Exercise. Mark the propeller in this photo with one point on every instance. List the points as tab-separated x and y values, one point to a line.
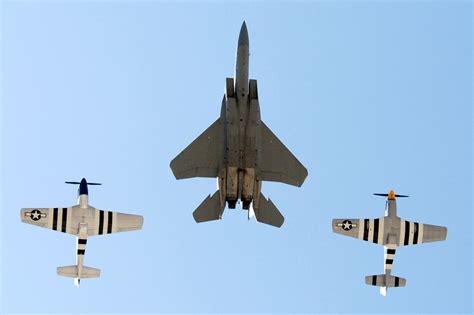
386	195
78	183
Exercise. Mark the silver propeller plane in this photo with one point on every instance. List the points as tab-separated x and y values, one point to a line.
390	231
240	151
81	220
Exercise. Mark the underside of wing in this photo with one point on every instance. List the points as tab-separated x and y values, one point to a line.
107	222
370	230
277	163
203	156
56	219
412	233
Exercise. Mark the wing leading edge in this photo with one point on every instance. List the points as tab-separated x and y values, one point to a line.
278	164
203	156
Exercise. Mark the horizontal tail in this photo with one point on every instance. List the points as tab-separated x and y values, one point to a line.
268	213
71	272
210	209
387	281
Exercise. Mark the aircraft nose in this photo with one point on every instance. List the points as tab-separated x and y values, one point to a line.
244	35
83	181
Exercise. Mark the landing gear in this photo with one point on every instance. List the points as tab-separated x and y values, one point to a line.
231	203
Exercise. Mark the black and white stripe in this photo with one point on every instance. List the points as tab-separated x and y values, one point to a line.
81	245
389	257
55	219
106	222
411	233
64	220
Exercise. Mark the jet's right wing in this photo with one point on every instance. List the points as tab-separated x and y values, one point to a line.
278	164
203	156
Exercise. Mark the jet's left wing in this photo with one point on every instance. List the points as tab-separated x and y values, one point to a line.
370	230
278	164
203	156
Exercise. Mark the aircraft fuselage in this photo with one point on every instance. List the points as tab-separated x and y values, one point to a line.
239	177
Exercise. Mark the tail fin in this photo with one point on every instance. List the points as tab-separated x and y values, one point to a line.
385	281
71	272
268	213
210	209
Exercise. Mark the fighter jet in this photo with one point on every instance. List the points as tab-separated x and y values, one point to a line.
390	231
81	220
240	151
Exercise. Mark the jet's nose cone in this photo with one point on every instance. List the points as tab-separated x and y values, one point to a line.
244	35
83	181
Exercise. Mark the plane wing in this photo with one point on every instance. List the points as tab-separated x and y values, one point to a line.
412	233
107	222
56	219
370	230
203	156
67	220
278	164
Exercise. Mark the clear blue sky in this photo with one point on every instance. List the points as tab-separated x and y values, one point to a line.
370	96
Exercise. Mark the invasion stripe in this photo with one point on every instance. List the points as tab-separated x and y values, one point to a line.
360	229
374	280
82	241
388	261
81	251
366	229
64	221
420	235
109	225
381	232
101	222
390	251
402	232
397	281
376	231
415	237
55	219
407	232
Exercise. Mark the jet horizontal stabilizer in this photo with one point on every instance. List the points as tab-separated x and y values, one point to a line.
268	213
210	209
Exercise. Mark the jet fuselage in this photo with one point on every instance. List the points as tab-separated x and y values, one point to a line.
239	177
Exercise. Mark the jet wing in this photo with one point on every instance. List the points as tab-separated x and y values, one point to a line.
107	222
56	219
203	156
277	163
370	230
412	233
